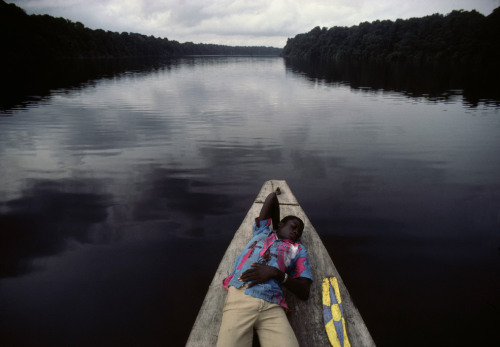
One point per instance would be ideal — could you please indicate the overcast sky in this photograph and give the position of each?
(239, 22)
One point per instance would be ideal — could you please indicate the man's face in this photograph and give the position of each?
(290, 230)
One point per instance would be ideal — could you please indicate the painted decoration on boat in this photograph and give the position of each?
(333, 313)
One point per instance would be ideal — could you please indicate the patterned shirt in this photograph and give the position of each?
(266, 248)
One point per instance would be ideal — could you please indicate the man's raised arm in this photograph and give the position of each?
(270, 209)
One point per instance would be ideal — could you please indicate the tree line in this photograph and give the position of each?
(42, 36)
(459, 38)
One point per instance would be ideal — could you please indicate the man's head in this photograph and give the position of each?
(290, 228)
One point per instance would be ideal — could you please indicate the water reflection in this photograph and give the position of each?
(127, 189)
(31, 84)
(434, 83)
(51, 216)
(185, 205)
(47, 217)
(27, 84)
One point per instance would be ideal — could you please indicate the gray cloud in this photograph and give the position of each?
(239, 22)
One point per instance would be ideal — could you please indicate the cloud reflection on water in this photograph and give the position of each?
(391, 184)
(46, 218)
(185, 204)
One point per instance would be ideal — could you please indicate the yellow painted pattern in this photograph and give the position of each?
(336, 314)
(346, 341)
(335, 325)
(332, 335)
(326, 292)
(335, 285)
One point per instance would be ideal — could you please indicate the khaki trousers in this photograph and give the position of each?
(242, 313)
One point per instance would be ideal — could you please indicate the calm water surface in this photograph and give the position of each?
(120, 192)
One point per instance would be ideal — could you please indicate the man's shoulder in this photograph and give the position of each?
(300, 245)
(261, 226)
(302, 251)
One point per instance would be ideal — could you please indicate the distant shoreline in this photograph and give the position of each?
(47, 37)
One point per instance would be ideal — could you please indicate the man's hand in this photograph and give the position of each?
(270, 209)
(259, 273)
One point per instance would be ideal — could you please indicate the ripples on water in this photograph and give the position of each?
(121, 187)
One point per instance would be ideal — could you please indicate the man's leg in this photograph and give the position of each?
(273, 328)
(240, 313)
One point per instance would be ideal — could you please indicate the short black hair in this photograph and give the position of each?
(301, 223)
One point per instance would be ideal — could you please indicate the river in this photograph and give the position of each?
(121, 187)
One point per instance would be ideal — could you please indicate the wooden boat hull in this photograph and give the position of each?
(306, 317)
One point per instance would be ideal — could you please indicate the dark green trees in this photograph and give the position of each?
(46, 37)
(461, 37)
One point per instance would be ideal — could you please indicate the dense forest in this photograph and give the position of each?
(460, 38)
(25, 36)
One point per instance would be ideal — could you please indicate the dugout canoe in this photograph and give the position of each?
(306, 317)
